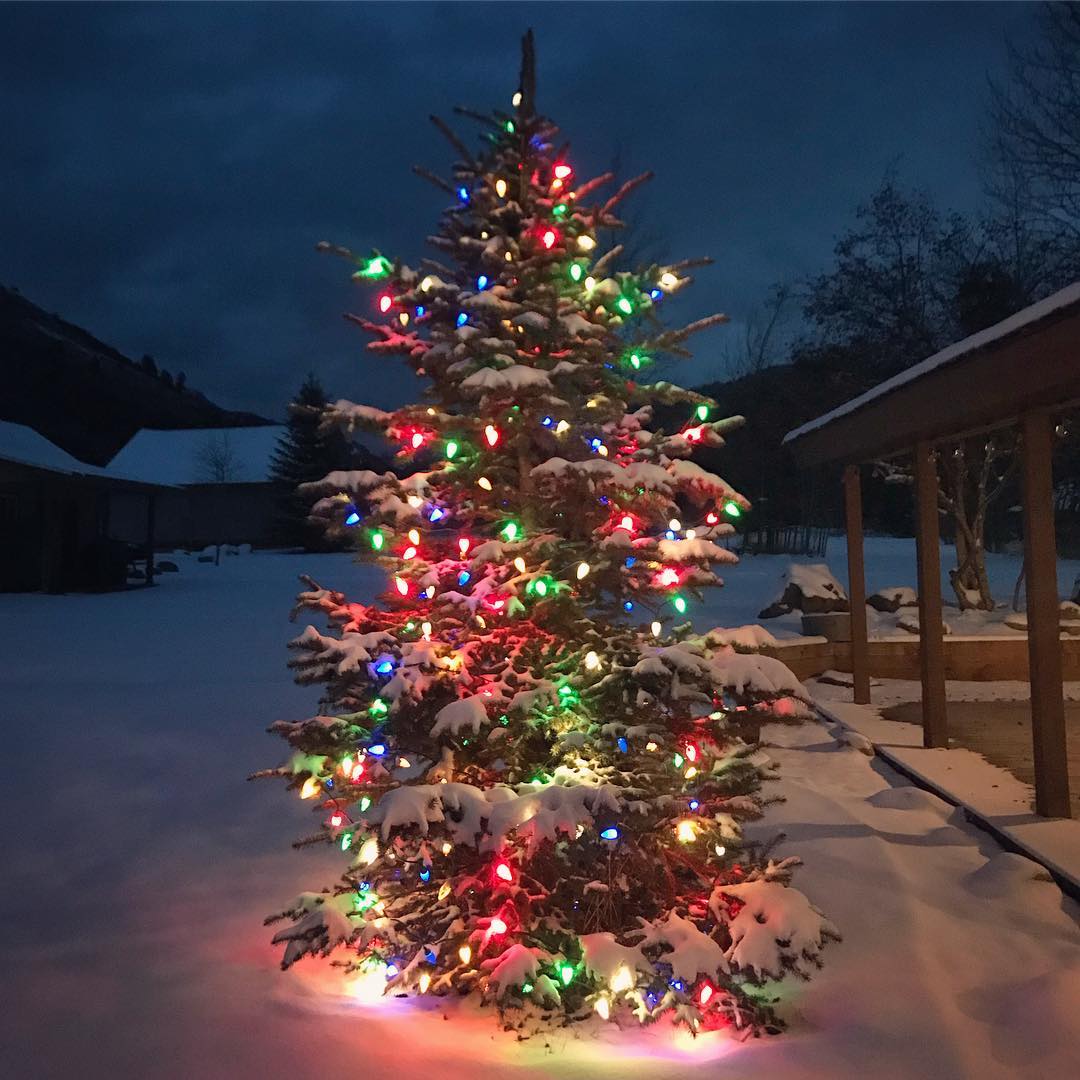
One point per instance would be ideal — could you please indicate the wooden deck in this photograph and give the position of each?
(1001, 732)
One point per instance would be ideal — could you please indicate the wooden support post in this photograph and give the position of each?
(860, 662)
(150, 508)
(931, 645)
(1043, 608)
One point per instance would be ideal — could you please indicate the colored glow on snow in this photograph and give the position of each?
(692, 434)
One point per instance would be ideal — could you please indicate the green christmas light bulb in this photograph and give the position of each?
(702, 411)
(732, 509)
(624, 306)
(377, 540)
(510, 531)
(451, 450)
(566, 973)
(576, 272)
(679, 604)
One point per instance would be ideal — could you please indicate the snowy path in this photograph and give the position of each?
(139, 866)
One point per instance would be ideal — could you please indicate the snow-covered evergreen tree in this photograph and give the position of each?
(536, 771)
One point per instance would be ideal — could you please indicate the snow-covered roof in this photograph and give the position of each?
(180, 457)
(25, 446)
(1064, 298)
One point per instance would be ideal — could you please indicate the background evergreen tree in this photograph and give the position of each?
(305, 454)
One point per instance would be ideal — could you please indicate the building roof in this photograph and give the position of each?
(237, 455)
(25, 446)
(1029, 360)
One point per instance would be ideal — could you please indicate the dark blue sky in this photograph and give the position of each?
(165, 170)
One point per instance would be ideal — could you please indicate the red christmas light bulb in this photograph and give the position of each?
(705, 993)
(712, 517)
(549, 238)
(401, 585)
(562, 171)
(385, 302)
(497, 926)
(503, 871)
(463, 546)
(336, 819)
(491, 433)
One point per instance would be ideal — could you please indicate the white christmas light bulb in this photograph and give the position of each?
(582, 570)
(519, 565)
(484, 483)
(586, 242)
(500, 188)
(592, 661)
(656, 628)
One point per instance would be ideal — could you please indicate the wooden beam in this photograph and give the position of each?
(856, 583)
(1044, 645)
(931, 646)
(936, 404)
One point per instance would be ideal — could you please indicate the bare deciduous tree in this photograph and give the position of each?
(216, 460)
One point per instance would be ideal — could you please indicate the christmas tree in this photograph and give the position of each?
(535, 770)
(305, 452)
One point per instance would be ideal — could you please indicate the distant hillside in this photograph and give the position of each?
(84, 395)
(774, 401)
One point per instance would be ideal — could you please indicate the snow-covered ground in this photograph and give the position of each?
(138, 867)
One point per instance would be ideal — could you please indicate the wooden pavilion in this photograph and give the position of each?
(1021, 372)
